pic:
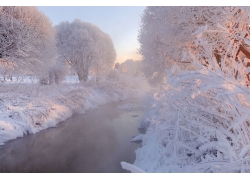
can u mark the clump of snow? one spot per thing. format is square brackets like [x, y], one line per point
[131, 168]
[144, 123]
[137, 138]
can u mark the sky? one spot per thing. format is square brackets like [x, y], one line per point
[119, 19]
[120, 22]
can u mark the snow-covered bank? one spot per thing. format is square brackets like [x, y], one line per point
[201, 124]
[30, 108]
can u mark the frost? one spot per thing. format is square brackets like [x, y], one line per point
[131, 167]
[199, 31]
[95, 50]
[137, 138]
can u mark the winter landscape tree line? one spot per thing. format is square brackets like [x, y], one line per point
[30, 44]
[196, 59]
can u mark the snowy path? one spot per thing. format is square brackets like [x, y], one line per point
[93, 142]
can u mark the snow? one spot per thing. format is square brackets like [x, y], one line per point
[244, 151]
[137, 138]
[33, 79]
[20, 80]
[27, 108]
[130, 167]
[200, 123]
[199, 120]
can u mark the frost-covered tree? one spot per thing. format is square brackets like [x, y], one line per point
[57, 72]
[26, 38]
[130, 66]
[106, 55]
[113, 75]
[117, 65]
[170, 35]
[84, 46]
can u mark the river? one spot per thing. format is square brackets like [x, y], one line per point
[94, 142]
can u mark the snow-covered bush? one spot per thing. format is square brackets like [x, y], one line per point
[171, 34]
[201, 121]
[26, 38]
[201, 125]
[84, 46]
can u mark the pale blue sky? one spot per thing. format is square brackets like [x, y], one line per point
[120, 22]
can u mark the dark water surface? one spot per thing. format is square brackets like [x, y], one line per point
[94, 142]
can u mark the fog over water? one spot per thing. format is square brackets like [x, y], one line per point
[94, 142]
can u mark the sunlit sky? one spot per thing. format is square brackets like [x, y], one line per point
[120, 22]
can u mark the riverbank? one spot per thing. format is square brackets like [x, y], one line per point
[29, 108]
[94, 142]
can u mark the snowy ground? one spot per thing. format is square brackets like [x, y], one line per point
[28, 108]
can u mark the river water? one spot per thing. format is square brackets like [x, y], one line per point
[94, 142]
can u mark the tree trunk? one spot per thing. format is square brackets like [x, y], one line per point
[56, 78]
[82, 76]
[51, 78]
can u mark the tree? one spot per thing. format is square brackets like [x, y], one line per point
[84, 46]
[57, 72]
[117, 65]
[26, 38]
[130, 66]
[203, 114]
[106, 55]
[171, 35]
